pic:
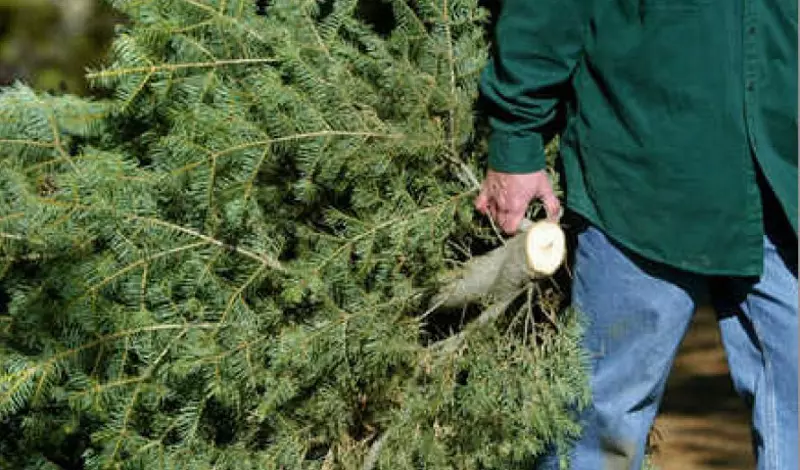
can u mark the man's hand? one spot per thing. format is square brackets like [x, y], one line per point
[505, 197]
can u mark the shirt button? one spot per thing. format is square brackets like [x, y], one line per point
[751, 86]
[751, 30]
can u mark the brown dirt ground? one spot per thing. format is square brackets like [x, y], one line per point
[702, 425]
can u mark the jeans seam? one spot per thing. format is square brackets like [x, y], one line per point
[771, 416]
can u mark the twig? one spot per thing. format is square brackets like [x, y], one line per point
[442, 347]
[545, 310]
[374, 452]
[151, 69]
[530, 319]
[448, 345]
[262, 258]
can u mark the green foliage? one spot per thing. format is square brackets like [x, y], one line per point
[225, 264]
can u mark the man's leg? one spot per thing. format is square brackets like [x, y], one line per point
[759, 326]
[638, 313]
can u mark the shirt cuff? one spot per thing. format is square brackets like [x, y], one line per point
[516, 153]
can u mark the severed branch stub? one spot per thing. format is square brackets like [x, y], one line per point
[535, 253]
[499, 276]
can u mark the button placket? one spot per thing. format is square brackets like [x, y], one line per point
[750, 64]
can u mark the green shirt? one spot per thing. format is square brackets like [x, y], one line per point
[666, 108]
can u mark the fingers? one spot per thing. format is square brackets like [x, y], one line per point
[552, 206]
[505, 198]
[509, 216]
[497, 209]
[509, 221]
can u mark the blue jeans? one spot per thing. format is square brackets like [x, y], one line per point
[638, 313]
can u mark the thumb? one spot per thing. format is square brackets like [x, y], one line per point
[511, 222]
[482, 202]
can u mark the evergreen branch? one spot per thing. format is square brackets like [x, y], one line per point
[65, 217]
[491, 313]
[395, 221]
[137, 90]
[261, 258]
[20, 381]
[191, 166]
[451, 69]
[251, 181]
[39, 385]
[127, 333]
[288, 138]
[208, 139]
[530, 320]
[11, 236]
[326, 50]
[52, 161]
[319, 39]
[445, 347]
[545, 310]
[100, 354]
[143, 289]
[374, 452]
[51, 119]
[212, 181]
[198, 415]
[32, 143]
[237, 296]
[27, 257]
[200, 47]
[186, 29]
[209, 81]
[125, 348]
[15, 215]
[156, 442]
[112, 73]
[307, 135]
[410, 13]
[476, 185]
[244, 345]
[451, 116]
[143, 261]
[24, 374]
[101, 387]
[146, 375]
[452, 130]
[348, 366]
[225, 18]
[207, 267]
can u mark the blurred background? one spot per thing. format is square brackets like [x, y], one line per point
[50, 43]
[703, 425]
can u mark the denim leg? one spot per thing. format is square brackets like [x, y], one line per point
[758, 321]
[638, 313]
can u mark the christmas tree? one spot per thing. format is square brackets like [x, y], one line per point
[232, 260]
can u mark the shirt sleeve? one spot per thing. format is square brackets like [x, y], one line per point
[537, 47]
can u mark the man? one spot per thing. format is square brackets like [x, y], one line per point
[678, 122]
